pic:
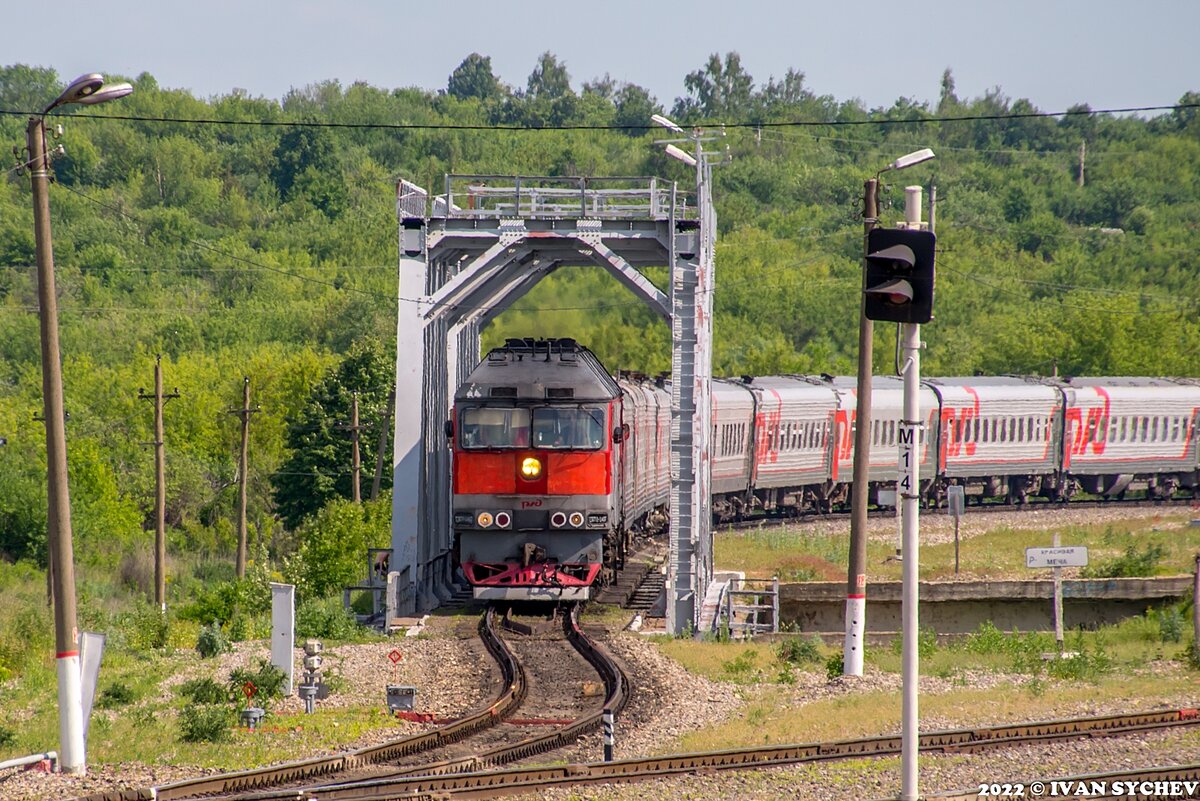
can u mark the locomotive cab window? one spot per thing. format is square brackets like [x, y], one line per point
[494, 427]
[568, 428]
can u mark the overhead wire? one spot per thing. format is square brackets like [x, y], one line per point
[423, 126]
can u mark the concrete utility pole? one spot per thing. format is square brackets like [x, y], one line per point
[88, 90]
[381, 450]
[243, 473]
[160, 485]
[856, 579]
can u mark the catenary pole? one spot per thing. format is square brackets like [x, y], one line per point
[856, 579]
[58, 519]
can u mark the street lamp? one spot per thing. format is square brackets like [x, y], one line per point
[86, 90]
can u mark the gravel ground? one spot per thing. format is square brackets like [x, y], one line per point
[668, 702]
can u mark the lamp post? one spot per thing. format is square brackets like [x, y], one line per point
[86, 90]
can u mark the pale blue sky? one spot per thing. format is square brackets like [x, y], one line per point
[1054, 52]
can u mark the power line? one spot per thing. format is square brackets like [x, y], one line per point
[423, 126]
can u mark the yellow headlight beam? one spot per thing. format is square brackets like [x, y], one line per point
[531, 467]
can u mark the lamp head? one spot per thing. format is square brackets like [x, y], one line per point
[682, 155]
[88, 90]
[912, 158]
[659, 119]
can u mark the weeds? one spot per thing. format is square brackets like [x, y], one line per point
[835, 666]
[1169, 620]
[927, 644]
[205, 724]
[797, 651]
[267, 682]
[8, 737]
[115, 696]
[743, 668]
[1133, 562]
[204, 691]
[326, 619]
[212, 641]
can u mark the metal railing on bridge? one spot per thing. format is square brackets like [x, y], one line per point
[560, 197]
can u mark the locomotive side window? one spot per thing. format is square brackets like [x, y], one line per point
[494, 427]
[568, 427]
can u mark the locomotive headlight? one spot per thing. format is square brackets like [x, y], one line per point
[576, 519]
[484, 520]
[531, 468]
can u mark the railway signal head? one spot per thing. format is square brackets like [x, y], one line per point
[899, 280]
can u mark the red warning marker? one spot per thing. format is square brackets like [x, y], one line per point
[395, 656]
[249, 690]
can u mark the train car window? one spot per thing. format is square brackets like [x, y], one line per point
[494, 427]
[1174, 429]
[568, 428]
[1124, 429]
[1112, 431]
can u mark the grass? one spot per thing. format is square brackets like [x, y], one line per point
[794, 554]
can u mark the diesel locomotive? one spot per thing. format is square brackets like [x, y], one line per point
[556, 464]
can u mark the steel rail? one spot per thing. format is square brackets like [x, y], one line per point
[514, 688]
[616, 686]
[489, 784]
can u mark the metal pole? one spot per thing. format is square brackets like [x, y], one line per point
[910, 497]
[1058, 601]
[910, 438]
[58, 518]
[856, 579]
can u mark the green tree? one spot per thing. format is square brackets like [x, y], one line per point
[549, 79]
[333, 545]
[473, 78]
[319, 468]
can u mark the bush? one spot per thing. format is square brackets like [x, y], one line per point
[1134, 562]
[326, 618]
[797, 651]
[835, 666]
[8, 737]
[926, 643]
[1169, 620]
[743, 668]
[228, 600]
[115, 696]
[212, 641]
[267, 680]
[204, 691]
[205, 724]
[988, 639]
[146, 628]
[333, 546]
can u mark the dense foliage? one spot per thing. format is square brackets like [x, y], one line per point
[269, 251]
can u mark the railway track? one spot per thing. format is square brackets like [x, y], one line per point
[511, 695]
[366, 766]
[809, 516]
[496, 783]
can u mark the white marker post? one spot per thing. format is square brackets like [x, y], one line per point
[956, 501]
[283, 631]
[1057, 557]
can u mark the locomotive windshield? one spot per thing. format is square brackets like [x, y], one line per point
[553, 427]
[568, 427]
